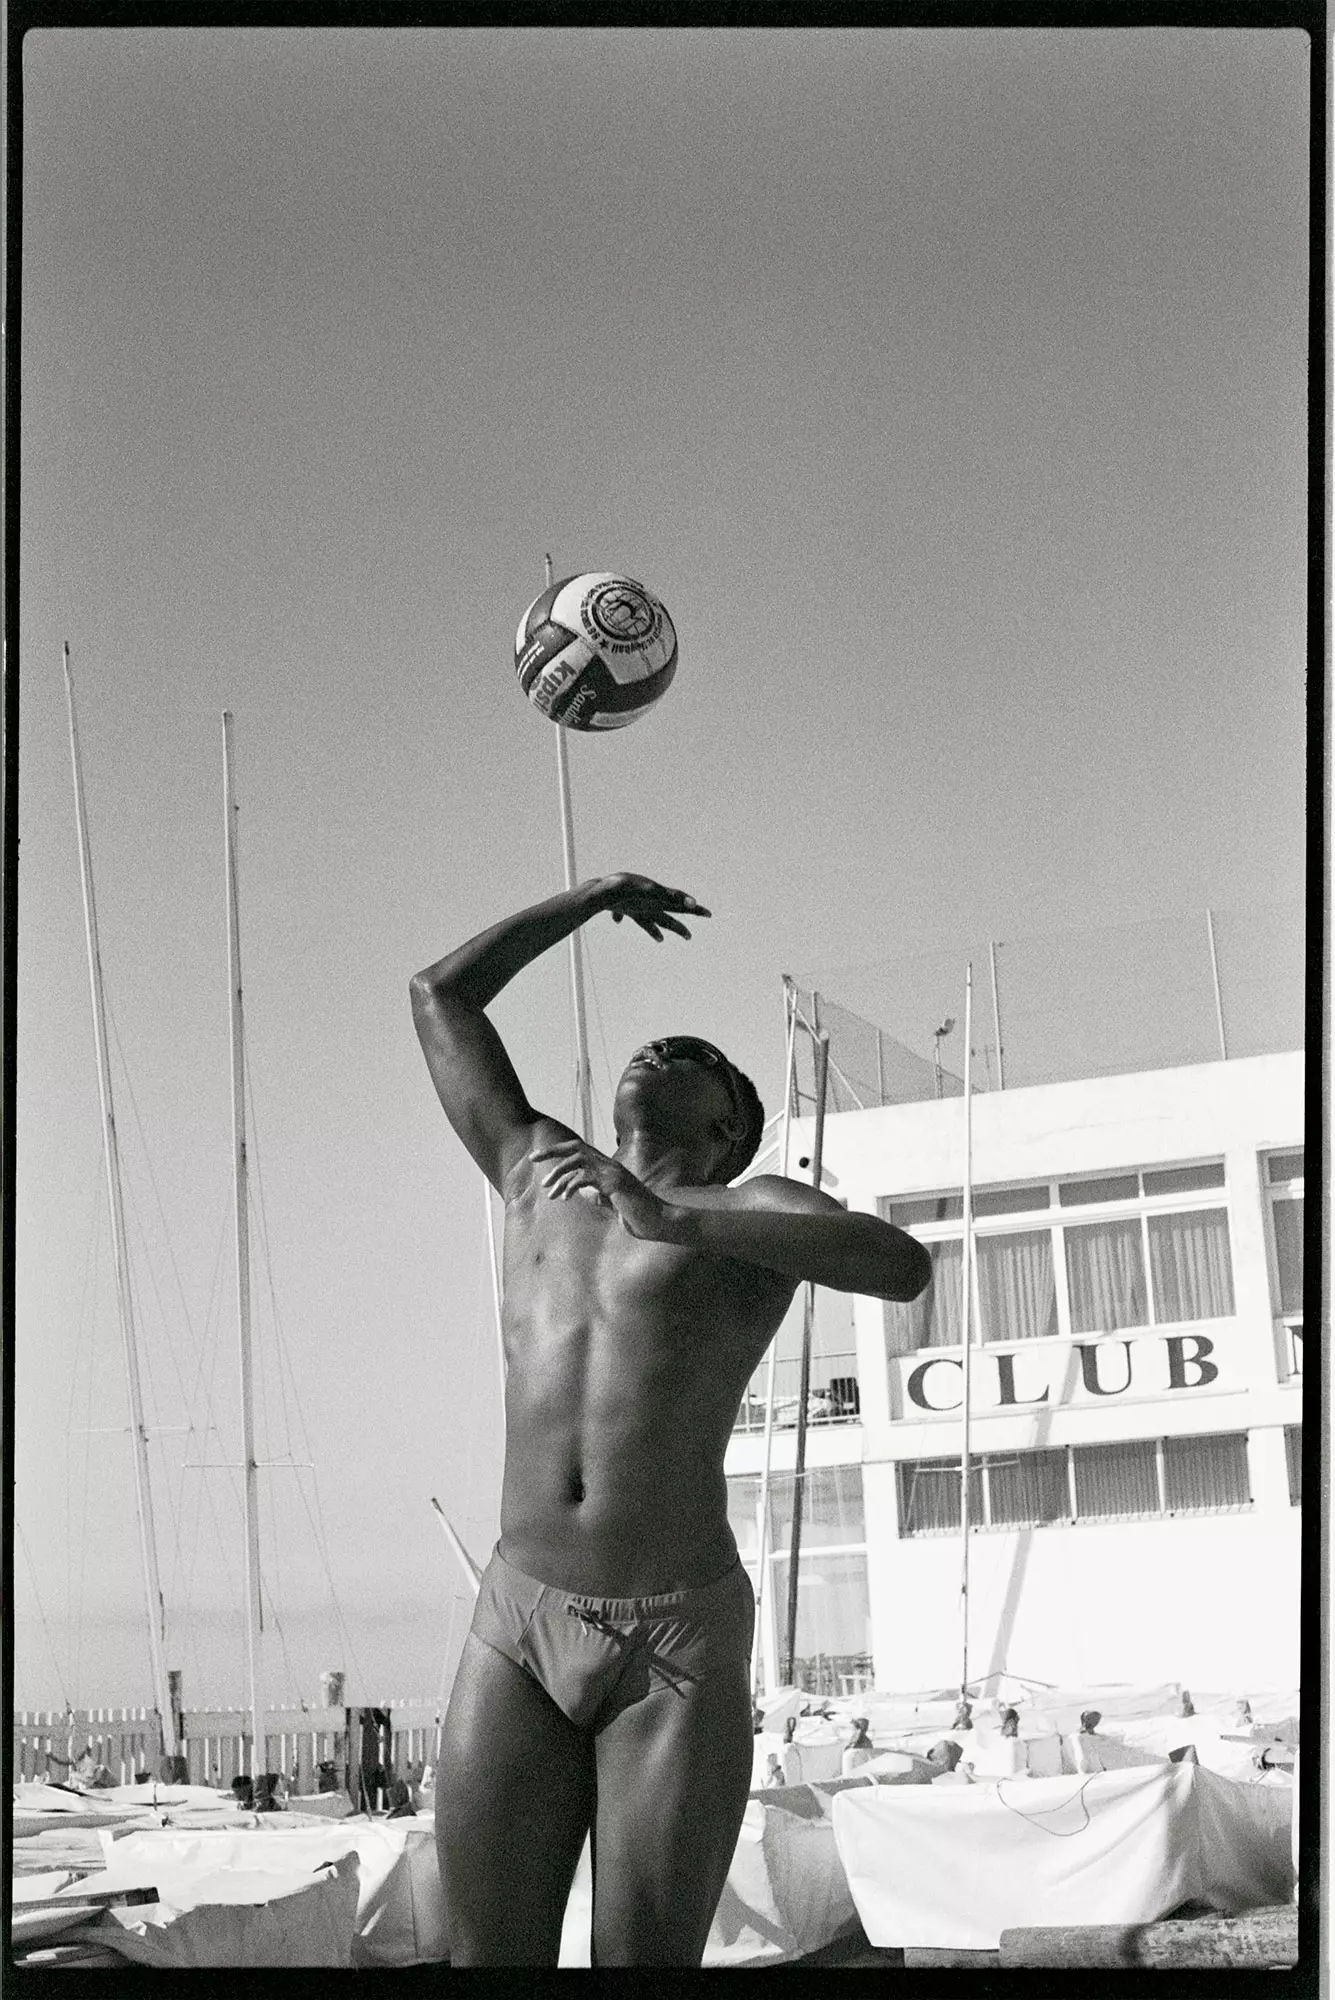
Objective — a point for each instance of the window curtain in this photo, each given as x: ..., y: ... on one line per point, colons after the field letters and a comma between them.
x: 1189, y: 1257
x: 1028, y: 1489
x: 1105, y: 1270
x: 933, y: 1318
x: 1017, y: 1299
x: 1293, y: 1453
x: 1115, y: 1479
x: 1289, y: 1253
x: 1201, y: 1473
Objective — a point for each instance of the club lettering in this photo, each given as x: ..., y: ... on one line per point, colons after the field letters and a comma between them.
x: 1089, y: 1371
x: 1179, y: 1360
x: 1006, y: 1382
x: 917, y: 1393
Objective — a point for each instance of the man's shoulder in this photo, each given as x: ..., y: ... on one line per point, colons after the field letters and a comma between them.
x: 773, y: 1191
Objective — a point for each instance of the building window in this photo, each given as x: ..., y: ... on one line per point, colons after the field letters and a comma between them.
x: 1206, y: 1475
x: 832, y: 1507
x: 1288, y: 1220
x: 1190, y: 1265
x: 833, y: 1639
x: 1017, y: 1299
x: 833, y: 1648
x: 1028, y: 1489
x: 933, y: 1318
x: 1154, y: 1257
x: 1293, y: 1453
x: 1284, y: 1189
x: 1116, y: 1481
x: 1138, y: 1480
x: 1105, y: 1275
x: 929, y: 1496
x: 833, y: 1393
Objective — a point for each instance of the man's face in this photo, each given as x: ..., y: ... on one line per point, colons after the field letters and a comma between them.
x: 679, y: 1080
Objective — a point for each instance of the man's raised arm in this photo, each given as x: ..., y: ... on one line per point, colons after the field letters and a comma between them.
x: 474, y: 1077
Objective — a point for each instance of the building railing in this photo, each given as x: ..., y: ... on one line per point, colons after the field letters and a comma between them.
x: 216, y: 1745
x: 1293, y: 1331
x: 833, y: 1396
x: 834, y: 1673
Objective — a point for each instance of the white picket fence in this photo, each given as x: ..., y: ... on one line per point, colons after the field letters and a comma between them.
x: 217, y: 1741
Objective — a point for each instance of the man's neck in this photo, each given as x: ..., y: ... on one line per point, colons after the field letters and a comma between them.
x: 661, y: 1165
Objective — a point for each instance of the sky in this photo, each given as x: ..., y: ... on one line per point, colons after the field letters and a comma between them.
x: 949, y: 386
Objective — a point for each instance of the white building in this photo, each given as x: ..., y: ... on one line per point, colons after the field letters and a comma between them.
x: 1136, y: 1395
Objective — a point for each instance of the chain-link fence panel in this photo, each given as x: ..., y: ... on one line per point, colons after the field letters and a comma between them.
x: 1191, y: 987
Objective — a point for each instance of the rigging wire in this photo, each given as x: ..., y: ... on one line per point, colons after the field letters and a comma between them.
x: 318, y: 1528
x: 86, y: 1318
x: 208, y: 1345
x: 175, y: 1510
x: 37, y: 1596
x: 294, y: 1686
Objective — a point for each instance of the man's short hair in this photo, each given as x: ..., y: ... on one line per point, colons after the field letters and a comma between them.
x: 747, y: 1145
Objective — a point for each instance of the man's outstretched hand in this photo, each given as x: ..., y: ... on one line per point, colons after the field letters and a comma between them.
x: 574, y: 1164
x: 648, y: 904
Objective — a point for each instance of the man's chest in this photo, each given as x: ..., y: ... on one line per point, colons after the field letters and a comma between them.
x: 576, y: 1254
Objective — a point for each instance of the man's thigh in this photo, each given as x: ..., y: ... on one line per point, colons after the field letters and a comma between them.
x: 674, y: 1770
x: 514, y: 1801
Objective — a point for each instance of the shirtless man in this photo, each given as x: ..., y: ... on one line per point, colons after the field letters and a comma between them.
x: 605, y: 1684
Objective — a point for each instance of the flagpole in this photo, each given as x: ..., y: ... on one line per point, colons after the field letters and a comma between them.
x: 583, y: 1079
x: 966, y: 1330
x: 804, y: 1382
x: 762, y: 1587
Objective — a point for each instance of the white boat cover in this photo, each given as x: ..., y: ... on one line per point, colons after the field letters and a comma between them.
x: 397, y: 1912
x: 311, y: 1925
x: 786, y: 1892
x: 951, y: 1867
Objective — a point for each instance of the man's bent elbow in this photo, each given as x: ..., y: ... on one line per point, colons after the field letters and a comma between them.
x: 915, y: 1273
x: 420, y: 993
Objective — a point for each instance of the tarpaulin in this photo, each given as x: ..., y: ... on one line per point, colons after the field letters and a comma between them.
x: 311, y: 1925
x: 399, y: 1913
x: 786, y: 1892
x: 952, y: 1867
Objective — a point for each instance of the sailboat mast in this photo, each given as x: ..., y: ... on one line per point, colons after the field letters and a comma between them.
x: 254, y: 1619
x: 143, y: 1493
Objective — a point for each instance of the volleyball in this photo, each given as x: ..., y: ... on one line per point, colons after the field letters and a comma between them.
x: 595, y: 651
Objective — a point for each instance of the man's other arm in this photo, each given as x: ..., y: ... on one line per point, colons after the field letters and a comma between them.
x: 807, y: 1235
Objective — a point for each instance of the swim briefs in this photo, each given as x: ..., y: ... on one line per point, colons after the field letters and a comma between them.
x: 594, y: 1656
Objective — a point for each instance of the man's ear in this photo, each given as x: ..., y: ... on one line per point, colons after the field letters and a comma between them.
x: 730, y: 1128
x: 732, y: 1125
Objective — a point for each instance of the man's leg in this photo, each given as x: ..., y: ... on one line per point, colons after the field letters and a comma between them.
x: 514, y: 1801
x: 674, y: 1770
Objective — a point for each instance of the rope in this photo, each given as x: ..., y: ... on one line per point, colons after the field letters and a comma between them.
x: 1033, y: 1819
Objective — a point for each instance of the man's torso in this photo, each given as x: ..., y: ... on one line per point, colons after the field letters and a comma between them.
x: 626, y: 1360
